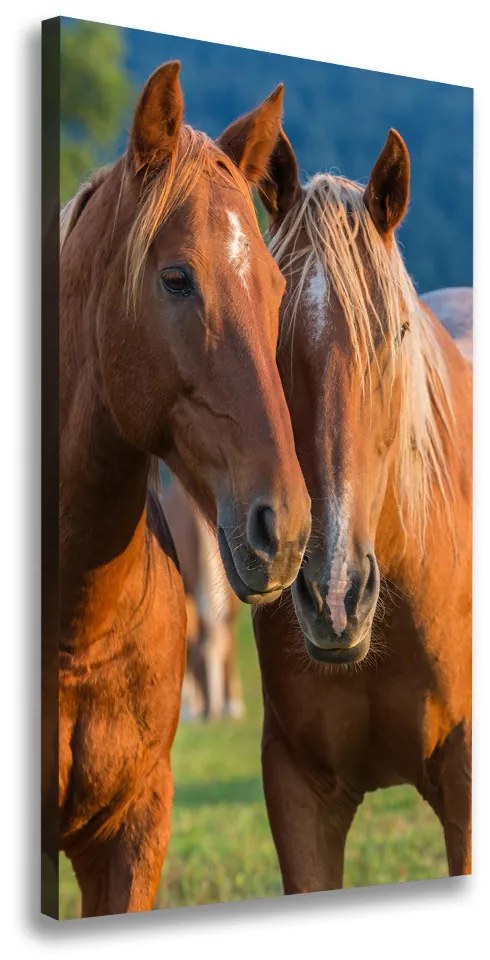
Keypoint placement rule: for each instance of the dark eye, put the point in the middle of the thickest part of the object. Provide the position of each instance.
(176, 281)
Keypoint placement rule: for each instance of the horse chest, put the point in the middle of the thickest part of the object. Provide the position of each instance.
(119, 707)
(374, 727)
(372, 736)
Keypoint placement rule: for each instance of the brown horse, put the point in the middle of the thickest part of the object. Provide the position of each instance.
(380, 399)
(212, 685)
(169, 317)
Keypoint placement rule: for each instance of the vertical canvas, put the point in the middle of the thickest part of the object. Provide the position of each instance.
(257, 447)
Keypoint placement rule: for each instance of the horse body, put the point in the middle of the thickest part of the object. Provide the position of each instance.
(331, 734)
(153, 358)
(122, 656)
(382, 694)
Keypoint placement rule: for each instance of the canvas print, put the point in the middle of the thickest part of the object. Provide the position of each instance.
(257, 446)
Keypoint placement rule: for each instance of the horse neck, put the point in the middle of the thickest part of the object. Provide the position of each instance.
(103, 478)
(401, 556)
(103, 485)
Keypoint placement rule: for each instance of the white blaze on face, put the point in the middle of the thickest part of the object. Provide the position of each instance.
(316, 298)
(339, 582)
(238, 248)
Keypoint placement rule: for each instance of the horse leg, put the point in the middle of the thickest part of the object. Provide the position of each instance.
(451, 798)
(234, 705)
(201, 680)
(197, 669)
(191, 707)
(194, 685)
(216, 651)
(310, 814)
(121, 874)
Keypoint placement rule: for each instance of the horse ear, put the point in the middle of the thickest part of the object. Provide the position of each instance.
(280, 189)
(157, 118)
(387, 192)
(249, 141)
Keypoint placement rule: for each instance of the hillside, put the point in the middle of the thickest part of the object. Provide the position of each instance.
(337, 118)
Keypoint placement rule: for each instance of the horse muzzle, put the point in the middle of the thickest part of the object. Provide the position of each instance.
(335, 613)
(260, 562)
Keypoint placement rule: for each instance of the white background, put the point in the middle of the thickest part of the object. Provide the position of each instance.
(423, 38)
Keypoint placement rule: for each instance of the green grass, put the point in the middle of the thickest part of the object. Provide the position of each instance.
(221, 849)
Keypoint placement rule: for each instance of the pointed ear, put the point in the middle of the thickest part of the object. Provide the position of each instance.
(387, 192)
(249, 141)
(280, 189)
(157, 118)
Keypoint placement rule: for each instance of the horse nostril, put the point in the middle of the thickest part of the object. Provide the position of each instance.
(371, 581)
(363, 586)
(351, 598)
(261, 530)
(309, 593)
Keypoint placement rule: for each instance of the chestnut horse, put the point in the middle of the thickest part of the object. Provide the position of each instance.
(169, 313)
(212, 685)
(380, 400)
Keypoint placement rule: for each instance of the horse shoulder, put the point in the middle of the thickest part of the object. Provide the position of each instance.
(122, 692)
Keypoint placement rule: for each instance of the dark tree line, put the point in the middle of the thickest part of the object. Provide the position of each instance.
(336, 117)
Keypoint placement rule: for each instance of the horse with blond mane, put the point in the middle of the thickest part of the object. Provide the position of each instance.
(375, 690)
(169, 307)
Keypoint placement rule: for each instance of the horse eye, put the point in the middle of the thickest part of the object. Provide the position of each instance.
(176, 281)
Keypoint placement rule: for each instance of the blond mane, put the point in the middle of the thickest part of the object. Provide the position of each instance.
(164, 191)
(331, 230)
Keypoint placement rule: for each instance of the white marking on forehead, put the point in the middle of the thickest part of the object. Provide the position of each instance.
(339, 582)
(238, 248)
(316, 298)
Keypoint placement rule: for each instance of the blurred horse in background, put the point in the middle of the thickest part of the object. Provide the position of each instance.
(212, 685)
(453, 306)
(375, 690)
